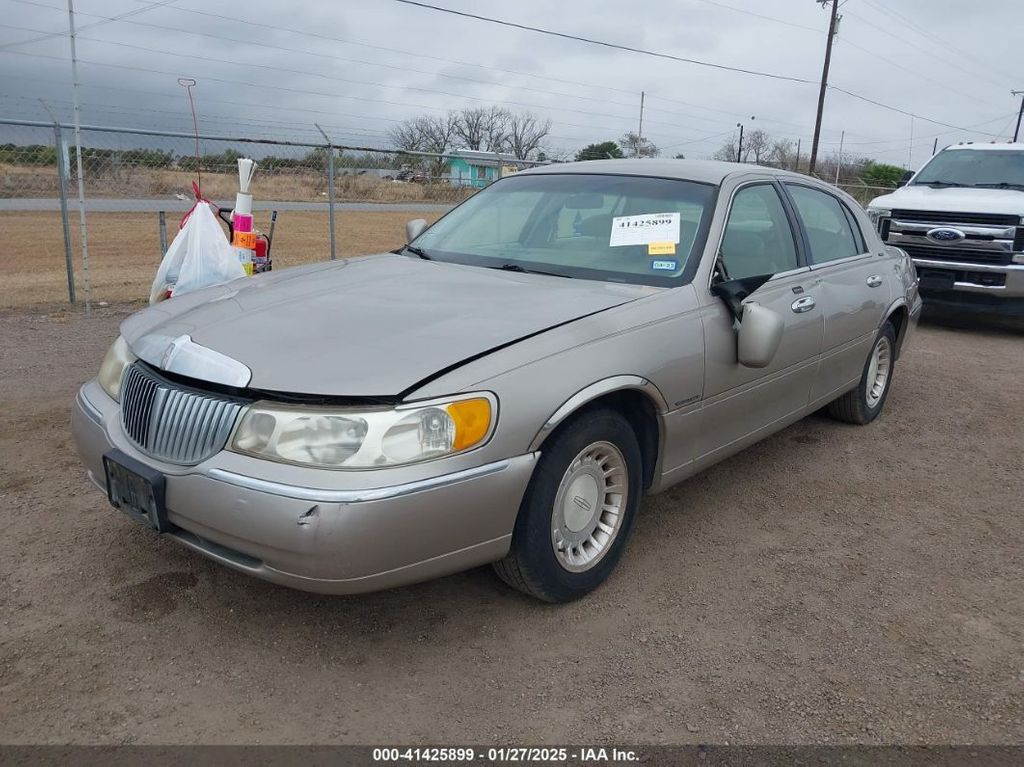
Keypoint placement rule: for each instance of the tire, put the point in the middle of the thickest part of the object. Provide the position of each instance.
(863, 404)
(570, 534)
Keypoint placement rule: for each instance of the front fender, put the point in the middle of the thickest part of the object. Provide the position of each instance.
(594, 391)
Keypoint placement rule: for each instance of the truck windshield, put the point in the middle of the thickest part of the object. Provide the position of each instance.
(974, 167)
(614, 228)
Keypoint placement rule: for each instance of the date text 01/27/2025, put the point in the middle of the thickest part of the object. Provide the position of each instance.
(538, 754)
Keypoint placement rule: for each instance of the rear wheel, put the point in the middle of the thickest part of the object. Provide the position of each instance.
(862, 404)
(578, 510)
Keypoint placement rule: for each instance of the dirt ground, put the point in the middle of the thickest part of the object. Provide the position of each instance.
(833, 584)
(124, 249)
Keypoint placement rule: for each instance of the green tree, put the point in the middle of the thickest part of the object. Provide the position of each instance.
(881, 174)
(603, 151)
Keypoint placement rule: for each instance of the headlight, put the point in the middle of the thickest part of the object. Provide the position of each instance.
(344, 438)
(875, 215)
(119, 356)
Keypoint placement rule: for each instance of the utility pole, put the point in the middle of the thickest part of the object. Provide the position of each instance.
(1020, 114)
(839, 159)
(796, 165)
(640, 128)
(910, 150)
(739, 145)
(833, 20)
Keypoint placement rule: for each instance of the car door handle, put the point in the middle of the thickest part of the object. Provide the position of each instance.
(804, 304)
(874, 281)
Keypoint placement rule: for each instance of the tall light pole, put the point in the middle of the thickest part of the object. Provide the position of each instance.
(77, 110)
(739, 146)
(1020, 114)
(833, 20)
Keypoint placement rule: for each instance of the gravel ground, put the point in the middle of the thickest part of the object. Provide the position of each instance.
(832, 584)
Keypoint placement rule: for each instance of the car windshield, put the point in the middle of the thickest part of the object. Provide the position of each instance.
(974, 167)
(615, 228)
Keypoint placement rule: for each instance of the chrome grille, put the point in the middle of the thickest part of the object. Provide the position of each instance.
(940, 218)
(172, 422)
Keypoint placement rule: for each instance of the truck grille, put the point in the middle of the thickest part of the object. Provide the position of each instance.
(940, 218)
(939, 253)
(985, 238)
(172, 422)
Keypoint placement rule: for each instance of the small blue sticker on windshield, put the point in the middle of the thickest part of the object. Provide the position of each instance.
(664, 265)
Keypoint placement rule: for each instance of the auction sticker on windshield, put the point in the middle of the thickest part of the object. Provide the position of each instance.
(645, 229)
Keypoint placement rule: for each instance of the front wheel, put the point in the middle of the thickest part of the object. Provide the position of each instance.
(863, 404)
(578, 510)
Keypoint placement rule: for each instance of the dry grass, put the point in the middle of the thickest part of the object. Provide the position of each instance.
(293, 184)
(124, 249)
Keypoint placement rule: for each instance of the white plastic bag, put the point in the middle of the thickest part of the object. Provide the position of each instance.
(199, 256)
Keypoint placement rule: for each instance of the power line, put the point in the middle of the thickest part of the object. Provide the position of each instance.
(277, 28)
(606, 44)
(645, 52)
(850, 43)
(904, 41)
(266, 46)
(745, 12)
(150, 49)
(322, 75)
(921, 32)
(62, 33)
(302, 91)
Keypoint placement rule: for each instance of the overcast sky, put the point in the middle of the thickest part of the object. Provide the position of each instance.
(358, 66)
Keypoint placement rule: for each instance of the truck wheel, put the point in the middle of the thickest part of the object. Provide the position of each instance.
(578, 509)
(862, 404)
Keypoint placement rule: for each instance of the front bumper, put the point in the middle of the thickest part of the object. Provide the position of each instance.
(995, 288)
(296, 529)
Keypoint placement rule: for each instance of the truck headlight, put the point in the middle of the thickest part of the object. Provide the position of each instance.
(875, 215)
(350, 438)
(119, 356)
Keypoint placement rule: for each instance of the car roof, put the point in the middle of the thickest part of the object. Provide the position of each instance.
(706, 171)
(988, 146)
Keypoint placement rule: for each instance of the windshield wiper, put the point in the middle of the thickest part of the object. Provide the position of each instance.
(938, 184)
(1000, 185)
(418, 252)
(524, 270)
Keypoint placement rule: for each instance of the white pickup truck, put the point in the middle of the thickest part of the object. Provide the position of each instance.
(960, 219)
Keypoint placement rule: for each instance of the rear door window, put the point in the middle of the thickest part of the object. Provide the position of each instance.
(829, 231)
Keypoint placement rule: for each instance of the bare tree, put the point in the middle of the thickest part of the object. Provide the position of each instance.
(756, 145)
(781, 154)
(726, 152)
(406, 136)
(635, 145)
(482, 128)
(524, 134)
(437, 133)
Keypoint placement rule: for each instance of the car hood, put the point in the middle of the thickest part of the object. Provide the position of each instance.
(369, 327)
(954, 200)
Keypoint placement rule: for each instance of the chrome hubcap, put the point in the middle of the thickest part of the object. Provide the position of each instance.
(878, 372)
(589, 506)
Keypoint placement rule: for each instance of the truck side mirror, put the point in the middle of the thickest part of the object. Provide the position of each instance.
(760, 334)
(414, 228)
(907, 175)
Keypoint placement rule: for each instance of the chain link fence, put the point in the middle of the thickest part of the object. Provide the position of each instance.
(138, 183)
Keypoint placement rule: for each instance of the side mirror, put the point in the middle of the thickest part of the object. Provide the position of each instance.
(414, 228)
(907, 175)
(759, 337)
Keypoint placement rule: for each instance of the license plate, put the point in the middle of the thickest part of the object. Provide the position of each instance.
(136, 489)
(936, 280)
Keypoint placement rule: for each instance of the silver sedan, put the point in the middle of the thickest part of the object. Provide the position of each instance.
(505, 388)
